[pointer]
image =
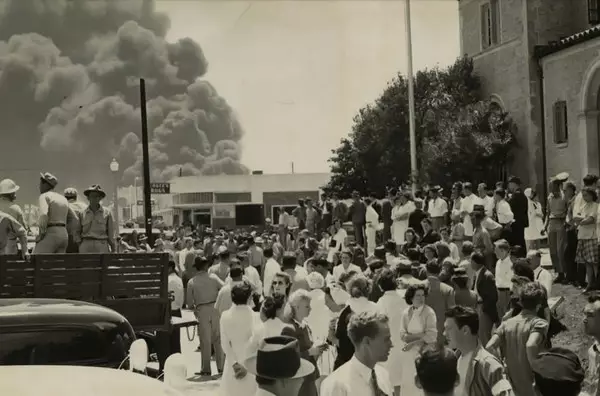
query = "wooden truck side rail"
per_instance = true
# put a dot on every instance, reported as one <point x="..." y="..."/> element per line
<point x="133" y="284"/>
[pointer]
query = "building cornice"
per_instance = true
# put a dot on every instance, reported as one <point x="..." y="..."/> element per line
<point x="541" y="51"/>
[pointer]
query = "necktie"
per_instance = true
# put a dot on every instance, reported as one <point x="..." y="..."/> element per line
<point x="376" y="389"/>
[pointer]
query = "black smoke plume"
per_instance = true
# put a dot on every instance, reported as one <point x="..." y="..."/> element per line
<point x="69" y="95"/>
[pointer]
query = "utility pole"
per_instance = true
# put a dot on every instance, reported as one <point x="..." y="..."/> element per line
<point x="146" y="165"/>
<point x="411" y="98"/>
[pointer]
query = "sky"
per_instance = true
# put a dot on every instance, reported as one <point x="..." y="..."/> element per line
<point x="297" y="72"/>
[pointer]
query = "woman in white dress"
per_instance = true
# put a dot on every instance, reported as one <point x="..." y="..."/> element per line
<point x="402" y="209"/>
<point x="533" y="233"/>
<point x="393" y="304"/>
<point x="418" y="327"/>
<point x="372" y="219"/>
<point x="236" y="327"/>
<point x="319" y="319"/>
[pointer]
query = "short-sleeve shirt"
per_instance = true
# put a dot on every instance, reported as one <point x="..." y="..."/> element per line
<point x="514" y="333"/>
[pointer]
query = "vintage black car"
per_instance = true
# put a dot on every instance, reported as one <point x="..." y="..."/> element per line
<point x="62" y="332"/>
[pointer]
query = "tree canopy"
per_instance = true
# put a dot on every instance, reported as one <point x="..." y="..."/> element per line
<point x="459" y="135"/>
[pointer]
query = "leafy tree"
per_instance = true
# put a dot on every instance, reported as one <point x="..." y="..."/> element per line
<point x="459" y="135"/>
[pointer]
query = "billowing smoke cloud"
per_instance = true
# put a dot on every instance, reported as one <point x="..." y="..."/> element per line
<point x="69" y="94"/>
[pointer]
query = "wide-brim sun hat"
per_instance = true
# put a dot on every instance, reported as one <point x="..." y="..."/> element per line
<point x="279" y="358"/>
<point x="94" y="188"/>
<point x="49" y="178"/>
<point x="8" y="186"/>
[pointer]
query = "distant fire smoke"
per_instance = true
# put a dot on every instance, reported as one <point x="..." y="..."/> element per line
<point x="69" y="94"/>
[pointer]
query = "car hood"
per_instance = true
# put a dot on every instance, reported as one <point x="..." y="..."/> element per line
<point x="77" y="380"/>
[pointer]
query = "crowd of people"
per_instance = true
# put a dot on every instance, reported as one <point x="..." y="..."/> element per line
<point x="457" y="301"/>
<point x="408" y="295"/>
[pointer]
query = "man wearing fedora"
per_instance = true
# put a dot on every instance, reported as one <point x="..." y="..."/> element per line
<point x="278" y="367"/>
<point x="8" y="190"/>
<point x="54" y="214"/>
<point x="97" y="228"/>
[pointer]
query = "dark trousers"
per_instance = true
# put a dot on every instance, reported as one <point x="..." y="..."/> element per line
<point x="571" y="268"/>
<point x="72" y="247"/>
<point x="517" y="237"/>
<point x="387" y="232"/>
<point x="359" y="234"/>
<point x="325" y="223"/>
<point x="176" y="334"/>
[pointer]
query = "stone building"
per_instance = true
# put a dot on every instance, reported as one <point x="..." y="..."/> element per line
<point x="539" y="60"/>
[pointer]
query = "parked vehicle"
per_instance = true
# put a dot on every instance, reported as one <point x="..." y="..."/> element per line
<point x="77" y="380"/>
<point x="62" y="332"/>
<point x="133" y="284"/>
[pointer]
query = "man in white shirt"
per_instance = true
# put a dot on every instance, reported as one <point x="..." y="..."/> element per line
<point x="504" y="273"/>
<point x="503" y="213"/>
<point x="541" y="275"/>
<point x="588" y="181"/>
<point x="487" y="200"/>
<point x="437" y="208"/>
<point x="466" y="208"/>
<point x="272" y="267"/>
<point x="175" y="288"/>
<point x="369" y="332"/>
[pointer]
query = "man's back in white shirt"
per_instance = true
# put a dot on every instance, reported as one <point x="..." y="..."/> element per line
<point x="504" y="273"/>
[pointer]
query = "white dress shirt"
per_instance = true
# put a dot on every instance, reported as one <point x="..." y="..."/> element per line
<point x="504" y="212"/>
<point x="504" y="273"/>
<point x="272" y="267"/>
<point x="544" y="277"/>
<point x="437" y="207"/>
<point x="284" y="218"/>
<point x="253" y="277"/>
<point x="463" y="367"/>
<point x="467" y="204"/>
<point x="362" y="304"/>
<point x="339" y="270"/>
<point x="488" y="205"/>
<point x="354" y="379"/>
<point x="175" y="288"/>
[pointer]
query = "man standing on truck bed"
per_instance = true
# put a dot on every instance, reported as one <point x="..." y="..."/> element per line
<point x="97" y="228"/>
<point x="8" y="195"/>
<point x="53" y="212"/>
<point x="77" y="207"/>
<point x="11" y="229"/>
<point x="202" y="292"/>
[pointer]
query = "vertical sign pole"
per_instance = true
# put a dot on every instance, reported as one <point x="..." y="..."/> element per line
<point x="146" y="160"/>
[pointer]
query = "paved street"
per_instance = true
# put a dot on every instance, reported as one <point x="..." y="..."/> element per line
<point x="196" y="386"/>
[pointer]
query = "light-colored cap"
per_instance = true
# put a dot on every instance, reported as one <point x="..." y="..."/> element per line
<point x="7" y="186"/>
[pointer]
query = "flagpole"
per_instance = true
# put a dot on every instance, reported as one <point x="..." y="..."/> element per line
<point x="411" y="98"/>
